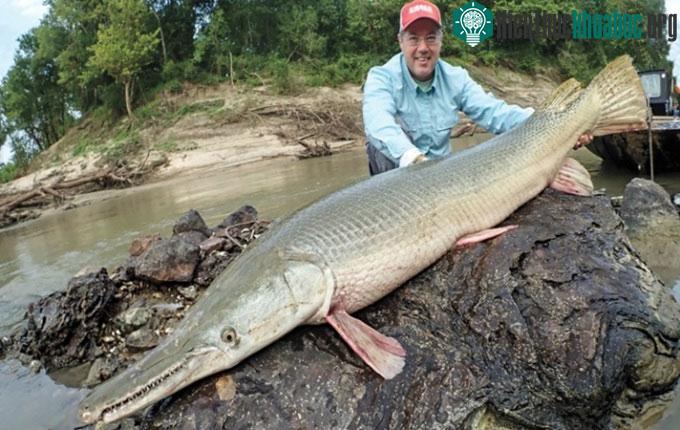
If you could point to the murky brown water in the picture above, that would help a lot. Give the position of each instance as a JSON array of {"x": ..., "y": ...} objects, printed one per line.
[{"x": 40, "y": 256}]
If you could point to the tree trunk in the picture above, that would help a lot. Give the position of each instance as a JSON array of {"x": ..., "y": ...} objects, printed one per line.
[
  {"x": 128, "y": 98},
  {"x": 160, "y": 29}
]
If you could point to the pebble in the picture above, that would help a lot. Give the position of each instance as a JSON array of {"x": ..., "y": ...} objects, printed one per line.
[
  {"x": 135, "y": 317},
  {"x": 141, "y": 339},
  {"x": 167, "y": 310},
  {"x": 35, "y": 366},
  {"x": 189, "y": 292}
]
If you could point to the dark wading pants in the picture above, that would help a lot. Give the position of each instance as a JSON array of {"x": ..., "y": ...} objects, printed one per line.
[{"x": 377, "y": 162}]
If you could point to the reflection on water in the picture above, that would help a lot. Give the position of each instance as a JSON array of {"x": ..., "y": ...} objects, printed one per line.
[
  {"x": 40, "y": 256},
  {"x": 34, "y": 401}
]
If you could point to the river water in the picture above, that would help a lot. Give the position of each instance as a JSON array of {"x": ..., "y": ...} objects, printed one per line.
[{"x": 40, "y": 256}]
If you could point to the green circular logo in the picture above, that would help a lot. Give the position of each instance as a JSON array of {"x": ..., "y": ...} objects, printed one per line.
[{"x": 472, "y": 23}]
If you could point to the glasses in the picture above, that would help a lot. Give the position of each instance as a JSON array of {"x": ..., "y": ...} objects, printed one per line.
[{"x": 430, "y": 39}]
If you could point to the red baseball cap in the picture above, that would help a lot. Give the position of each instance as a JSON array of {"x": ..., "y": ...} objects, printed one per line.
[{"x": 418, "y": 9}]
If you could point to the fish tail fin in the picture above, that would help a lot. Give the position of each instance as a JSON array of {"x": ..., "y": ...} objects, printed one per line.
[
  {"x": 562, "y": 96},
  {"x": 623, "y": 100}
]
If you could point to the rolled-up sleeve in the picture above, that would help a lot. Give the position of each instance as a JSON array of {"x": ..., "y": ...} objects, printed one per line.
[
  {"x": 494, "y": 115},
  {"x": 379, "y": 112}
]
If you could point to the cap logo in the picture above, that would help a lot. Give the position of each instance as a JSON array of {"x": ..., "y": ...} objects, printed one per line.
[{"x": 420, "y": 7}]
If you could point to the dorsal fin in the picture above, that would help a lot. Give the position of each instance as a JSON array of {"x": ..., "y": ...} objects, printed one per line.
[{"x": 562, "y": 96}]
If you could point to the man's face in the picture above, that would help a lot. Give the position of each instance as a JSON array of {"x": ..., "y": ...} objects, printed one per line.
[{"x": 421, "y": 43}]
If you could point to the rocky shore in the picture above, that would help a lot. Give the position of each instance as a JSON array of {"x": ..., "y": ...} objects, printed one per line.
[{"x": 558, "y": 324}]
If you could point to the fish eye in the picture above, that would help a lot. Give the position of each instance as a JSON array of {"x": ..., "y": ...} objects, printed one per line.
[{"x": 229, "y": 336}]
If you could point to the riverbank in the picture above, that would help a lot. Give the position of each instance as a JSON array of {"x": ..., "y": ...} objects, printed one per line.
[{"x": 204, "y": 127}]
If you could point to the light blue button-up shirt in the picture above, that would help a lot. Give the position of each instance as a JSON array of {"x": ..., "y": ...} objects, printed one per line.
[{"x": 399, "y": 116}]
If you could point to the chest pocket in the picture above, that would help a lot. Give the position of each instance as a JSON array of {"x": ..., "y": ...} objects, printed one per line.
[
  {"x": 447, "y": 115},
  {"x": 410, "y": 123}
]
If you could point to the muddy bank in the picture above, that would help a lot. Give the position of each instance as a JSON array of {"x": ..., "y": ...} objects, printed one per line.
[
  {"x": 225, "y": 128},
  {"x": 221, "y": 126},
  {"x": 557, "y": 324}
]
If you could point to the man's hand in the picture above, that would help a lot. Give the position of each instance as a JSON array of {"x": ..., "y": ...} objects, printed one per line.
[
  {"x": 584, "y": 139},
  {"x": 467, "y": 127},
  {"x": 412, "y": 156},
  {"x": 420, "y": 159}
]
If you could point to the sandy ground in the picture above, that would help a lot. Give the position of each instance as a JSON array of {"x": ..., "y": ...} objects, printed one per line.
[{"x": 251, "y": 126}]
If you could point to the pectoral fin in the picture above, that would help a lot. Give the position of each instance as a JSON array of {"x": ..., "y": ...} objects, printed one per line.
[
  {"x": 573, "y": 178},
  {"x": 483, "y": 235},
  {"x": 382, "y": 353}
]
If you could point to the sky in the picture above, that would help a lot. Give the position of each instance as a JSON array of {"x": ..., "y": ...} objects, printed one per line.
[
  {"x": 16, "y": 18},
  {"x": 19, "y": 16}
]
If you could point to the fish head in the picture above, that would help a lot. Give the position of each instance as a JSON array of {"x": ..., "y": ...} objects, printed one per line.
[{"x": 247, "y": 307}]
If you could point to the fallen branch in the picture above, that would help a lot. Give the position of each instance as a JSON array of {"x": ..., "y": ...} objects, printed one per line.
[{"x": 43, "y": 191}]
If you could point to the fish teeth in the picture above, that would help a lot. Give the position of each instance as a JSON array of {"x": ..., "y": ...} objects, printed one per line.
[{"x": 148, "y": 387}]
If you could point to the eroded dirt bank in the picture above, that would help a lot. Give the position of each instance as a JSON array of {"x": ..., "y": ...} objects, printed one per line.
[{"x": 200, "y": 128}]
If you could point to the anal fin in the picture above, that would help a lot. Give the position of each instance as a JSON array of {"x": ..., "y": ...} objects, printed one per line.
[
  {"x": 483, "y": 235},
  {"x": 573, "y": 178},
  {"x": 382, "y": 353}
]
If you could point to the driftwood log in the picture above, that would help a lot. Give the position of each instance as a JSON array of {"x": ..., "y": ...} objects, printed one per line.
[{"x": 58, "y": 191}]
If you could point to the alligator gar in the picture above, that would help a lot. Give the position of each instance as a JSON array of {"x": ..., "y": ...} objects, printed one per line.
[{"x": 353, "y": 247}]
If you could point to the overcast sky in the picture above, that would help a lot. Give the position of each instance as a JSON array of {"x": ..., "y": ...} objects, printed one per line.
[{"x": 16, "y": 18}]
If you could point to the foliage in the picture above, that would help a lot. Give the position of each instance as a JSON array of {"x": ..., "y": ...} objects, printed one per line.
[
  {"x": 213, "y": 46},
  {"x": 34, "y": 107},
  {"x": 8, "y": 172},
  {"x": 124, "y": 46},
  {"x": 298, "y": 36},
  {"x": 84, "y": 52},
  {"x": 83, "y": 146}
]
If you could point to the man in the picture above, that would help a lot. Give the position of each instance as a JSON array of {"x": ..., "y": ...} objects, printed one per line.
[{"x": 410, "y": 103}]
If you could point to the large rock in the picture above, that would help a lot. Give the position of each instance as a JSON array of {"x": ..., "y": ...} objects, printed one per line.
[
  {"x": 557, "y": 324},
  {"x": 244, "y": 215},
  {"x": 58, "y": 327},
  {"x": 141, "y": 244},
  {"x": 191, "y": 221},
  {"x": 645, "y": 202},
  {"x": 168, "y": 260},
  {"x": 653, "y": 225}
]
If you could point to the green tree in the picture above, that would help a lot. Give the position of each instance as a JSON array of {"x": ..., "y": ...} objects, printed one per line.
[
  {"x": 34, "y": 106},
  {"x": 214, "y": 44},
  {"x": 124, "y": 46},
  {"x": 178, "y": 20},
  {"x": 78, "y": 21},
  {"x": 298, "y": 35}
]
